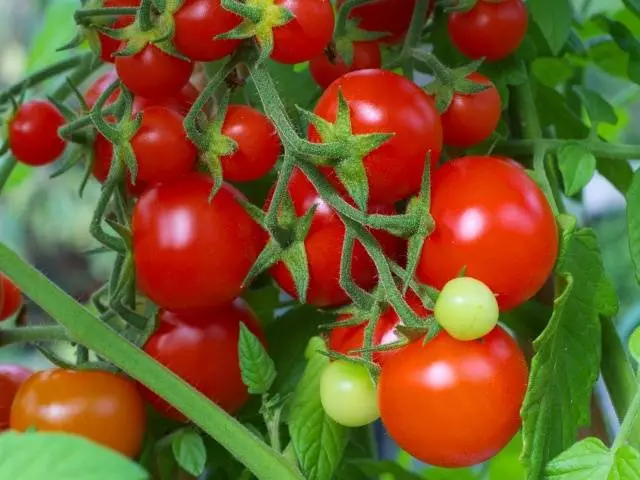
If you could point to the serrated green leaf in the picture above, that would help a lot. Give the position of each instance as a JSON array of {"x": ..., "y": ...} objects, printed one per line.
[
  {"x": 62, "y": 457},
  {"x": 591, "y": 459},
  {"x": 599, "y": 110},
  {"x": 577, "y": 165},
  {"x": 258, "y": 369},
  {"x": 318, "y": 441},
  {"x": 567, "y": 360},
  {"x": 633, "y": 222},
  {"x": 554, "y": 19},
  {"x": 189, "y": 451}
]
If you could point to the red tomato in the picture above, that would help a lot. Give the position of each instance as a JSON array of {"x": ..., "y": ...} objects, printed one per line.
[
  {"x": 307, "y": 35},
  {"x": 201, "y": 346},
  {"x": 365, "y": 55},
  {"x": 108, "y": 45},
  {"x": 100, "y": 406},
  {"x": 493, "y": 30},
  {"x": 11, "y": 377},
  {"x": 258, "y": 144},
  {"x": 10, "y": 298},
  {"x": 190, "y": 252},
  {"x": 452, "y": 403},
  {"x": 197, "y": 23},
  {"x": 494, "y": 220},
  {"x": 33, "y": 133},
  {"x": 152, "y": 73},
  {"x": 471, "y": 119},
  {"x": 385, "y": 102}
]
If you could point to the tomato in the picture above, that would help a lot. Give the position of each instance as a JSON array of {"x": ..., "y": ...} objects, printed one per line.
[
  {"x": 493, "y": 30},
  {"x": 108, "y": 45},
  {"x": 258, "y": 144},
  {"x": 201, "y": 346},
  {"x": 11, "y": 377},
  {"x": 451, "y": 403},
  {"x": 385, "y": 102},
  {"x": 152, "y": 73},
  {"x": 102, "y": 158},
  {"x": 466, "y": 309},
  {"x": 10, "y": 298},
  {"x": 348, "y": 395},
  {"x": 33, "y": 133},
  {"x": 494, "y": 220},
  {"x": 307, "y": 35},
  {"x": 365, "y": 55},
  {"x": 197, "y": 23},
  {"x": 100, "y": 406},
  {"x": 471, "y": 119},
  {"x": 190, "y": 252}
]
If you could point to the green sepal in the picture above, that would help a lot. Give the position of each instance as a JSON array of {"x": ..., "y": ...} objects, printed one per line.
[
  {"x": 72, "y": 159},
  {"x": 214, "y": 166},
  {"x": 76, "y": 41},
  {"x": 353, "y": 176},
  {"x": 345, "y": 50},
  {"x": 88, "y": 170},
  {"x": 216, "y": 145},
  {"x": 269, "y": 256},
  {"x": 295, "y": 259},
  {"x": 54, "y": 358},
  {"x": 121, "y": 230}
]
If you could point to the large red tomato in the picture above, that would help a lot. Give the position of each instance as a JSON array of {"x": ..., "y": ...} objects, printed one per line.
[
  {"x": 452, "y": 403},
  {"x": 201, "y": 346},
  {"x": 385, "y": 102},
  {"x": 11, "y": 377},
  {"x": 365, "y": 55},
  {"x": 108, "y": 45},
  {"x": 10, "y": 298},
  {"x": 494, "y": 220},
  {"x": 191, "y": 252}
]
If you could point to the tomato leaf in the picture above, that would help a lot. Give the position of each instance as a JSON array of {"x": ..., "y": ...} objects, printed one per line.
[
  {"x": 599, "y": 110},
  {"x": 318, "y": 441},
  {"x": 258, "y": 369},
  {"x": 633, "y": 222},
  {"x": 189, "y": 451},
  {"x": 567, "y": 360},
  {"x": 577, "y": 165},
  {"x": 620, "y": 174},
  {"x": 62, "y": 457},
  {"x": 554, "y": 19},
  {"x": 590, "y": 458}
]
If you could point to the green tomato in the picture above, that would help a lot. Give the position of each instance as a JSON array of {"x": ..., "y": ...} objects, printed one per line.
[
  {"x": 467, "y": 309},
  {"x": 348, "y": 394}
]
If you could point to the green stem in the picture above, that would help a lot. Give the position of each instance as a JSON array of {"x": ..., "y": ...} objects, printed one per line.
[
  {"x": 51, "y": 333},
  {"x": 413, "y": 35},
  {"x": 80, "y": 15},
  {"x": 609, "y": 151},
  {"x": 629, "y": 422},
  {"x": 263, "y": 461},
  {"x": 273, "y": 426},
  {"x": 7, "y": 167},
  {"x": 343, "y": 15}
]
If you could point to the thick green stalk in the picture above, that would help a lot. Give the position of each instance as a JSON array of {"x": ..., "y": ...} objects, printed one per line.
[
  {"x": 50, "y": 333},
  {"x": 343, "y": 15},
  {"x": 609, "y": 151},
  {"x": 630, "y": 421}
]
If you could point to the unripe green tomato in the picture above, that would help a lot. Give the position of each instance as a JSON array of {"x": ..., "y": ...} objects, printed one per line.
[
  {"x": 467, "y": 309},
  {"x": 348, "y": 395}
]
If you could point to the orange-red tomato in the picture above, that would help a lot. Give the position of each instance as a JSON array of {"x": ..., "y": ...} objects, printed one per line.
[
  {"x": 11, "y": 377},
  {"x": 10, "y": 298}
]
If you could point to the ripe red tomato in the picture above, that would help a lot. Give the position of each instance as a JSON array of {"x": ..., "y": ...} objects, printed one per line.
[
  {"x": 365, "y": 55},
  {"x": 108, "y": 45},
  {"x": 385, "y": 102},
  {"x": 100, "y": 406},
  {"x": 494, "y": 220},
  {"x": 307, "y": 35},
  {"x": 11, "y": 377},
  {"x": 493, "y": 30},
  {"x": 452, "y": 403},
  {"x": 471, "y": 119},
  {"x": 258, "y": 144},
  {"x": 152, "y": 73},
  {"x": 190, "y": 252},
  {"x": 201, "y": 346},
  {"x": 10, "y": 298},
  {"x": 33, "y": 133},
  {"x": 197, "y": 23}
]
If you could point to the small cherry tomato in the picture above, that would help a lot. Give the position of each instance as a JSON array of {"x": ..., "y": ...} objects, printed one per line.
[
  {"x": 365, "y": 55},
  {"x": 33, "y": 133},
  {"x": 201, "y": 346},
  {"x": 258, "y": 144},
  {"x": 108, "y": 45},
  {"x": 471, "y": 119},
  {"x": 348, "y": 394},
  {"x": 451, "y": 403},
  {"x": 10, "y": 296},
  {"x": 493, "y": 30},
  {"x": 466, "y": 309},
  {"x": 100, "y": 406},
  {"x": 11, "y": 377}
]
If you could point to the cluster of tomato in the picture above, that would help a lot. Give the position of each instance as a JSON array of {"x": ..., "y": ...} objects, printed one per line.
[{"x": 452, "y": 401}]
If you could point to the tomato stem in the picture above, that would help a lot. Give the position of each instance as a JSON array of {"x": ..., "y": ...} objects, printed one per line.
[
  {"x": 609, "y": 151},
  {"x": 83, "y": 14},
  {"x": 343, "y": 15},
  {"x": 629, "y": 422},
  {"x": 412, "y": 38},
  {"x": 48, "y": 333}
]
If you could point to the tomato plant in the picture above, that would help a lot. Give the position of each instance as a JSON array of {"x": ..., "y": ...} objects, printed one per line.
[
  {"x": 108, "y": 45},
  {"x": 33, "y": 133},
  {"x": 10, "y": 298},
  {"x": 11, "y": 377},
  {"x": 325, "y": 70}
]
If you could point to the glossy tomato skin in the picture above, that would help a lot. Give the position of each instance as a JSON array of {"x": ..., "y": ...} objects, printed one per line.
[
  {"x": 10, "y": 298},
  {"x": 493, "y": 30},
  {"x": 201, "y": 346},
  {"x": 197, "y": 23},
  {"x": 365, "y": 55},
  {"x": 11, "y": 377},
  {"x": 108, "y": 45},
  {"x": 494, "y": 220},
  {"x": 33, "y": 133},
  {"x": 100, "y": 406},
  {"x": 451, "y": 403},
  {"x": 152, "y": 73},
  {"x": 394, "y": 170},
  {"x": 307, "y": 35},
  {"x": 189, "y": 252},
  {"x": 471, "y": 119},
  {"x": 258, "y": 144}
]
